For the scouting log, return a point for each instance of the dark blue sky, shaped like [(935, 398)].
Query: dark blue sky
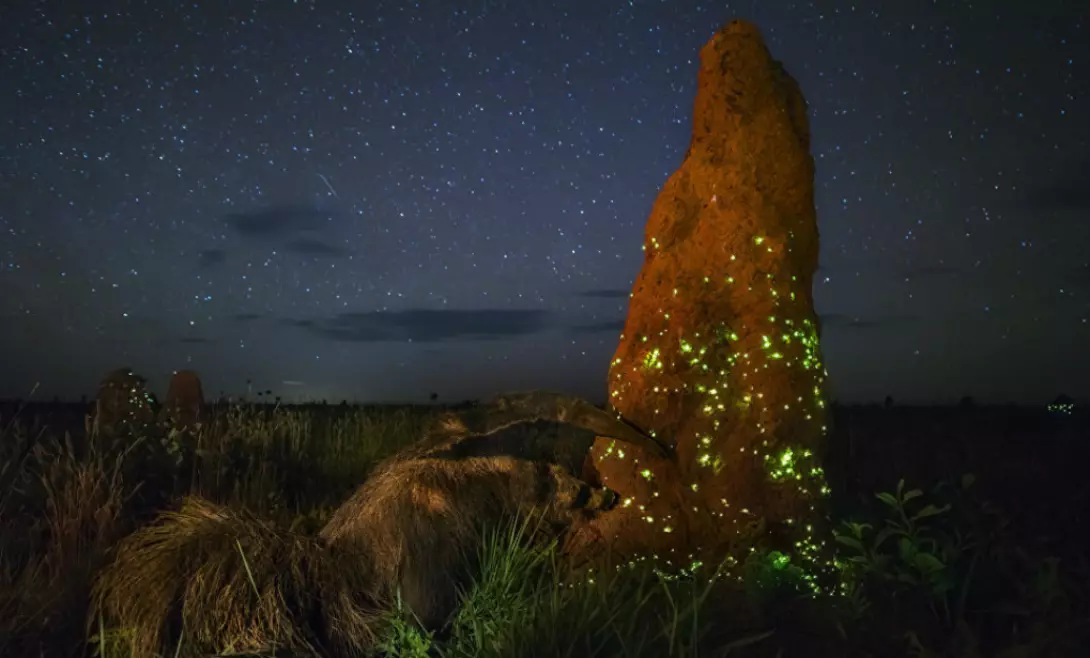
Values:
[(379, 200)]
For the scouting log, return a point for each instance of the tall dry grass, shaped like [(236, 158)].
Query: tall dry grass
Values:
[(61, 512), (202, 541), (69, 497)]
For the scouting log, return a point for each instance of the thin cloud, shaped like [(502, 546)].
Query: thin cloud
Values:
[(607, 326), (314, 247), (278, 221)]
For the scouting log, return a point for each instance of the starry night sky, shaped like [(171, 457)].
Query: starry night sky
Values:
[(379, 200)]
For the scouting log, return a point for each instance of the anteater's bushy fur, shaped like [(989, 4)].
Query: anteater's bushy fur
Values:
[(420, 518), (233, 581), (411, 532)]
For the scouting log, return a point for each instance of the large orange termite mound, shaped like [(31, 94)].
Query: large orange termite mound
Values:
[(720, 352)]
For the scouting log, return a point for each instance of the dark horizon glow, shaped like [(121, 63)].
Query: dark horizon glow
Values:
[(377, 204)]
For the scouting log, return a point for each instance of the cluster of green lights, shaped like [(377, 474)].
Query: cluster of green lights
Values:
[(726, 376), (692, 353), (1065, 409), (813, 556), (136, 398), (803, 572), (730, 567), (687, 572), (653, 359), (787, 466), (616, 452), (688, 566)]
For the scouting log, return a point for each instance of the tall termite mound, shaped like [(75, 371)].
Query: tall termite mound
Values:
[(720, 352)]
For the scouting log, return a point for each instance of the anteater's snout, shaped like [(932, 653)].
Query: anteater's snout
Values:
[(601, 500), (609, 499)]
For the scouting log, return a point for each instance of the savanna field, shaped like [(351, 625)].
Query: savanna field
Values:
[(957, 532), (367, 200)]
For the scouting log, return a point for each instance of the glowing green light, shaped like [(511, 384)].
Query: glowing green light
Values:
[(787, 457), (652, 360)]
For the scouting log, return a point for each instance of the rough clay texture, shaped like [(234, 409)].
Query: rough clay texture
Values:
[(122, 396), (719, 354), (184, 404)]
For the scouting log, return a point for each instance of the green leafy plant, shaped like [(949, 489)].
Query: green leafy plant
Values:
[(911, 552)]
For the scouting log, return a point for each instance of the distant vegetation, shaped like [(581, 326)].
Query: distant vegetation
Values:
[(944, 563)]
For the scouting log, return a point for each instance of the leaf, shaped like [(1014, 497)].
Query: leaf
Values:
[(909, 495), (928, 563), (850, 541), (888, 499), (883, 535), (858, 528), (930, 510), (927, 544), (907, 549), (967, 480)]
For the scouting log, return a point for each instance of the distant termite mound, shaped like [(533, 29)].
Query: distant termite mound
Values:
[(720, 353), (184, 404), (122, 399)]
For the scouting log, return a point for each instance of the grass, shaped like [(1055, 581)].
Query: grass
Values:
[(164, 541)]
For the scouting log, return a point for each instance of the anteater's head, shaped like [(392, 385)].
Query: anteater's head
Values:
[(571, 493)]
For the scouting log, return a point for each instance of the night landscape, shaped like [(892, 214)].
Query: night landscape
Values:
[(609, 329)]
